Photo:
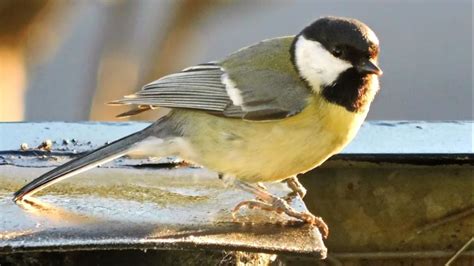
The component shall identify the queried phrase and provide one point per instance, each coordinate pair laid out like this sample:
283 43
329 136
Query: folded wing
237 91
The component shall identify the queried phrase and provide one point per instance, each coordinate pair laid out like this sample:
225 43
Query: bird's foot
297 188
269 202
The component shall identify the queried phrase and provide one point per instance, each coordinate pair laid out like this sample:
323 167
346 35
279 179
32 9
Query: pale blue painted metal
375 137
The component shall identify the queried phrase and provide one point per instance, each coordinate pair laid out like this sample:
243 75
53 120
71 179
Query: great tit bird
265 113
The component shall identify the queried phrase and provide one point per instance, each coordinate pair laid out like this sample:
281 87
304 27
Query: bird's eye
337 52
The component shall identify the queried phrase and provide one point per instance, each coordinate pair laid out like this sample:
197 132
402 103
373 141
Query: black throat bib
351 90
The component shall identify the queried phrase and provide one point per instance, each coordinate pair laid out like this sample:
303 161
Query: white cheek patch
232 90
317 65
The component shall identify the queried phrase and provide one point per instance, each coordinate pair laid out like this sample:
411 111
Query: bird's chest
301 144
271 151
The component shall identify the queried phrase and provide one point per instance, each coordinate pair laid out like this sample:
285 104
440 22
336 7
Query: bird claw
316 221
280 206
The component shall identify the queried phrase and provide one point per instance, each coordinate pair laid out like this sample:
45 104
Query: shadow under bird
263 114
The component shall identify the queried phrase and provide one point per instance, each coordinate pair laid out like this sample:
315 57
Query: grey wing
198 87
265 94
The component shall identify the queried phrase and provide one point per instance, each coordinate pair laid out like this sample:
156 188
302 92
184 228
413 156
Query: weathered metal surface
143 209
389 209
420 201
130 203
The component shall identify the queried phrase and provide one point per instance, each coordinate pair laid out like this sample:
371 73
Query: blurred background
63 60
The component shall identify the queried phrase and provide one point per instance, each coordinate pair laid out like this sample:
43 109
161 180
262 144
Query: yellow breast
272 150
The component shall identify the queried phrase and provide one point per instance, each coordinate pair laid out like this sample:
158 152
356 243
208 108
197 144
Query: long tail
102 155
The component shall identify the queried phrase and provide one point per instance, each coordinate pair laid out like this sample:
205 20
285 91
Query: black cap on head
346 38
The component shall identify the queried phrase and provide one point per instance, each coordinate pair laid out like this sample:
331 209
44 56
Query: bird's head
338 58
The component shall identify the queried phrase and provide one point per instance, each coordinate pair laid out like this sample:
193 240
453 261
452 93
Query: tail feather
102 155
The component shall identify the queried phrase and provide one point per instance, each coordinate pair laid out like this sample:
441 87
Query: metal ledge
126 206
143 204
120 208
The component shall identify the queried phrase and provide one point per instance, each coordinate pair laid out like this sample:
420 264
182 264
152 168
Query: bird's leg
268 202
295 185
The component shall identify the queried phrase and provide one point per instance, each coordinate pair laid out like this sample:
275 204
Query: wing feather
198 87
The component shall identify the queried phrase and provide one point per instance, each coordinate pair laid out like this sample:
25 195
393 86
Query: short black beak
367 67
